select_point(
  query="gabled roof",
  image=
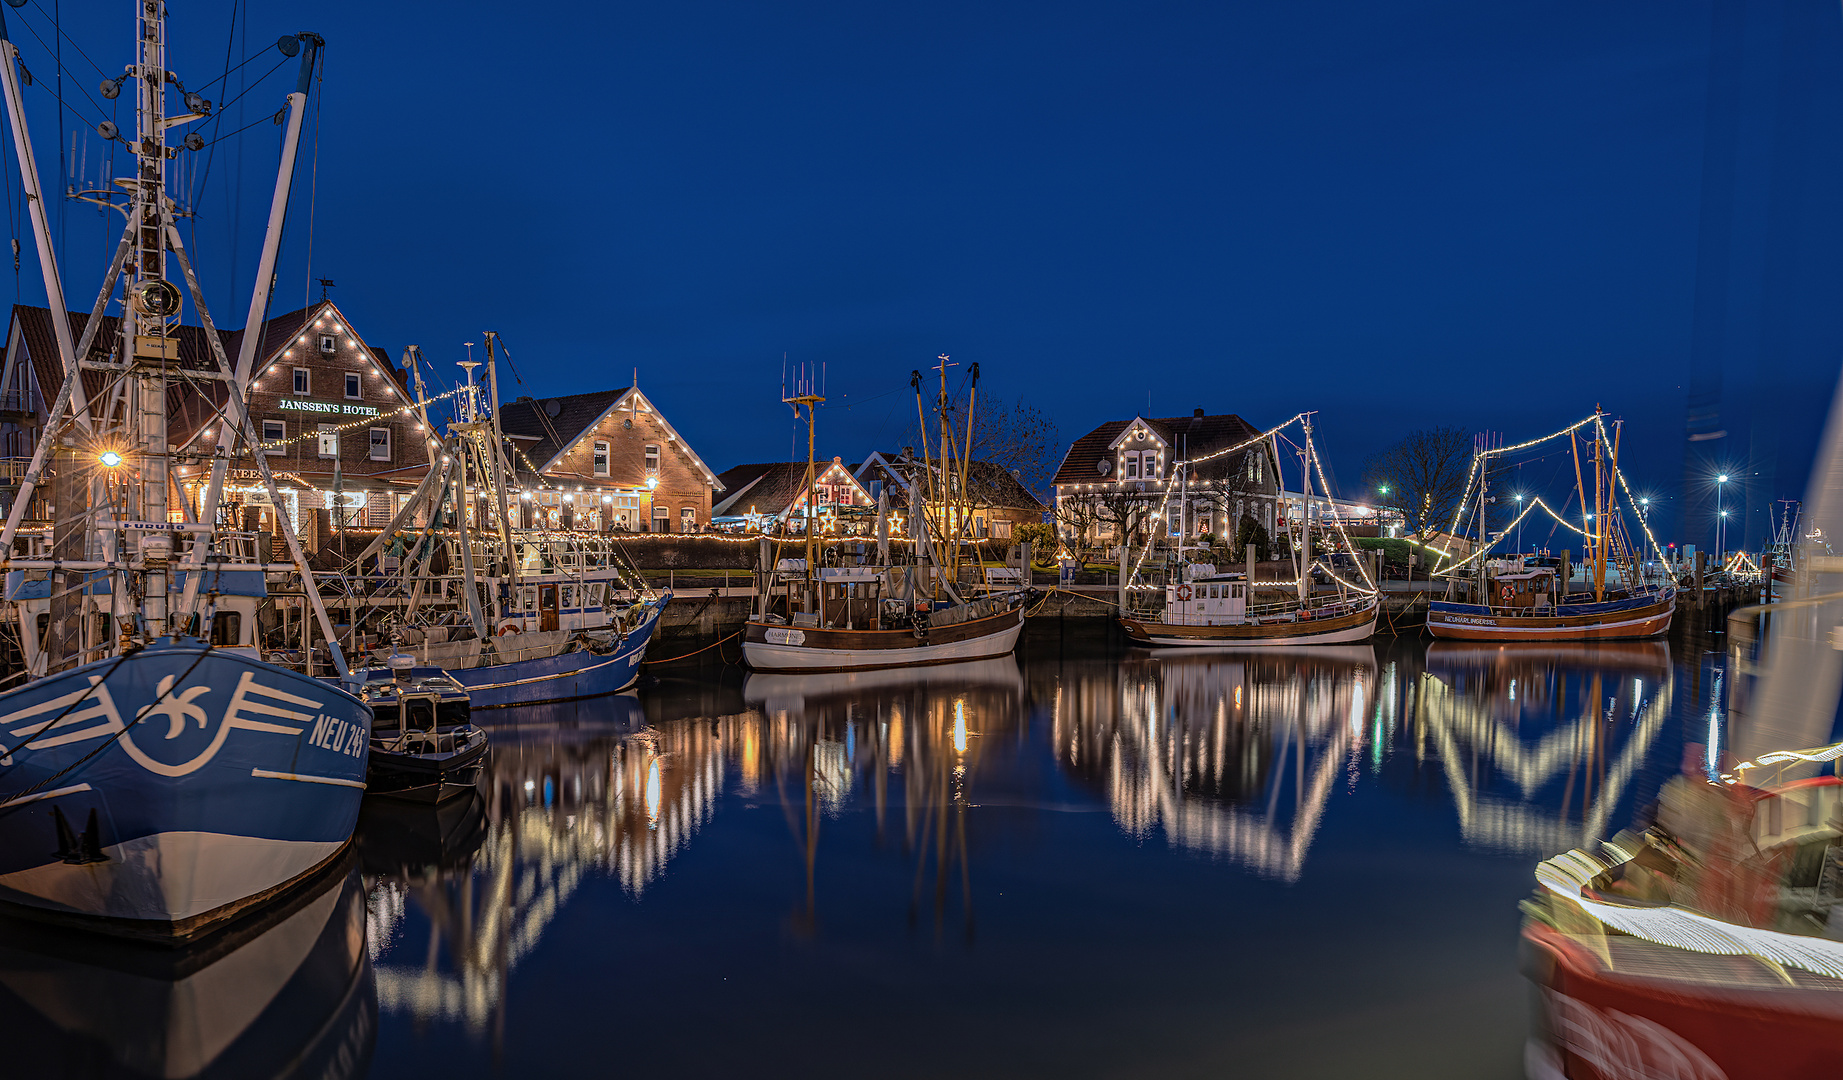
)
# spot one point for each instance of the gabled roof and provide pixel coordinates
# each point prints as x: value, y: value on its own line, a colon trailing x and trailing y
x: 1191, y: 436
x: 770, y: 488
x: 558, y: 423
x: 992, y: 484
x: 187, y: 406
x: 1160, y: 429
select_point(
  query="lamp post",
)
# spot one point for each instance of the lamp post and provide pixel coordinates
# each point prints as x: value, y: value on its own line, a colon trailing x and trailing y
x: 1721, y: 517
x: 1519, y: 524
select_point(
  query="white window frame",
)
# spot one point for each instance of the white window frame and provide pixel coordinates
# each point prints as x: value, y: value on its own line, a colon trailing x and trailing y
x: 652, y: 460
x: 601, y: 457
x: 278, y: 434
x: 662, y: 513
x: 355, y: 385
x: 303, y: 380
x: 687, y: 518
x: 372, y: 443
x: 329, y: 431
x: 329, y: 344
x: 1129, y: 470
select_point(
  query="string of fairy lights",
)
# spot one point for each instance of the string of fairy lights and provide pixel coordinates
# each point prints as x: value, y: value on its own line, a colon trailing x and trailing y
x: 1311, y: 456
x: 1460, y: 511
x: 364, y: 421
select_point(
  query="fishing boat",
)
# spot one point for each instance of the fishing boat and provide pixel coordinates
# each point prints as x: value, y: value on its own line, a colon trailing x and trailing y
x: 1531, y: 597
x: 1706, y: 942
x: 157, y: 776
x: 859, y: 615
x: 1201, y: 607
x: 424, y: 745
x: 514, y: 616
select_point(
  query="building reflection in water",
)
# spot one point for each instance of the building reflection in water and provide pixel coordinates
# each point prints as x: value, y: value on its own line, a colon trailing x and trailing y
x: 1238, y: 753
x: 603, y: 789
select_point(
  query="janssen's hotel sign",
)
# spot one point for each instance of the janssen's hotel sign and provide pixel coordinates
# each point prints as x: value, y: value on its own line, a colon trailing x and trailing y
x: 335, y: 408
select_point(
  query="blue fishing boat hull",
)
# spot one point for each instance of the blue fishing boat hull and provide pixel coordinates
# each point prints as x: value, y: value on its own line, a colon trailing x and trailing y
x: 565, y: 677
x: 162, y: 792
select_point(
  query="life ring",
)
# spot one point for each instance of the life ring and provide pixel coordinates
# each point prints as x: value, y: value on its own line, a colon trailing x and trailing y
x: 1507, y: 591
x: 508, y: 628
x: 1183, y: 593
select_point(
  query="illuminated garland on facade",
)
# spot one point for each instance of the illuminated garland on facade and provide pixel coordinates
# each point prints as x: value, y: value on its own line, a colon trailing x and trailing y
x: 334, y: 429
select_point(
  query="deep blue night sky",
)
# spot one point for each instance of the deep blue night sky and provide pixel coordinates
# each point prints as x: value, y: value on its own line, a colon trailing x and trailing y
x: 1484, y: 215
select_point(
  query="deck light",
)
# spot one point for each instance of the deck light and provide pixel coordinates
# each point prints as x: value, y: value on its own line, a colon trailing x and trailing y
x: 110, y: 458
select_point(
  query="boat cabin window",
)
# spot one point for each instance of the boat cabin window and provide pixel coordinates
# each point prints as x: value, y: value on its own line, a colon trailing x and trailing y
x: 227, y: 628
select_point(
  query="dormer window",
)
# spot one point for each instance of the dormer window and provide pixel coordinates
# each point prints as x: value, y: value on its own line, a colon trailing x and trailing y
x: 1129, y: 469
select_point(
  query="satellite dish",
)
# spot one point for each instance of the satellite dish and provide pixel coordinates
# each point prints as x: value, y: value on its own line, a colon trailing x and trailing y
x: 287, y: 43
x: 1103, y: 466
x: 552, y: 408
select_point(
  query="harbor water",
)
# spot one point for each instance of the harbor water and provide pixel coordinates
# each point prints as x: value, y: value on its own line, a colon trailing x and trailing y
x: 1076, y: 862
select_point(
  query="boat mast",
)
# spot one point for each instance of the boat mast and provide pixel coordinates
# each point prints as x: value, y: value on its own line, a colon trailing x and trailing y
x: 810, y: 400
x: 1580, y: 490
x: 1305, y: 515
x: 1599, y: 508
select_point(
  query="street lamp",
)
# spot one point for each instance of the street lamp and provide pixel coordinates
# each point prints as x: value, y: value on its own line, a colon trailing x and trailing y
x: 1519, y: 523
x: 1721, y: 518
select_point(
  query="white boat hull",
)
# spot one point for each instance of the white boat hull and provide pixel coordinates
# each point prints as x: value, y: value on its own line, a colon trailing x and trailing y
x: 764, y: 656
x: 167, y: 877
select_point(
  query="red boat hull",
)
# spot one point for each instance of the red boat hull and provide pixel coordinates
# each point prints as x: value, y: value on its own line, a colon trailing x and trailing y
x: 1650, y: 1022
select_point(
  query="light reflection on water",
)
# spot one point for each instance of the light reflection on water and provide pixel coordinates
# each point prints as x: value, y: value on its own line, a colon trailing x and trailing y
x: 1051, y: 857
x: 1243, y: 760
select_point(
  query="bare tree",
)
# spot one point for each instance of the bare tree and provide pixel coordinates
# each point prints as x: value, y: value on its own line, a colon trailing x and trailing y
x: 1424, y: 475
x: 1127, y: 511
x: 1076, y: 518
x: 1017, y: 437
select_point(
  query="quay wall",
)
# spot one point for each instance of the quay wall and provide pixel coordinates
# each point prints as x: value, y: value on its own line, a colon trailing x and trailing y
x: 701, y: 617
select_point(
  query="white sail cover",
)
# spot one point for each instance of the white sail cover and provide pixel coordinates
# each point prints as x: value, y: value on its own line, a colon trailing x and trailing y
x: 1794, y: 703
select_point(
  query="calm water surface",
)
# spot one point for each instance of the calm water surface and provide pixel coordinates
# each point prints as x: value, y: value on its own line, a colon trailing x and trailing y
x: 1290, y: 863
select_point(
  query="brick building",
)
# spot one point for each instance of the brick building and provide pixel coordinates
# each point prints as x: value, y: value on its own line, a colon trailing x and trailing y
x: 320, y: 395
x: 605, y: 461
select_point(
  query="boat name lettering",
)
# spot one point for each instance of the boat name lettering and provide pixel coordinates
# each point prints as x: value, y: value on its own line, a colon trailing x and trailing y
x: 1468, y: 620
x: 338, y: 736
x: 779, y: 636
x: 340, y: 407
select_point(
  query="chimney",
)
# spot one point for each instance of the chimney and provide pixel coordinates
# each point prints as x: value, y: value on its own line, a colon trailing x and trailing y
x: 1198, y: 414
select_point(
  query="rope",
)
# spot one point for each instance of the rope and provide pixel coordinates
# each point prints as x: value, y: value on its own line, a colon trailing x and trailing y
x: 689, y: 655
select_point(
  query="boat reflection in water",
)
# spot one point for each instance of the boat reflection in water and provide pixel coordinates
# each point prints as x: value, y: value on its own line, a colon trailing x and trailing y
x: 1563, y: 728
x: 1203, y: 744
x: 287, y: 992
x: 594, y: 788
x: 929, y: 726
x: 1237, y: 754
